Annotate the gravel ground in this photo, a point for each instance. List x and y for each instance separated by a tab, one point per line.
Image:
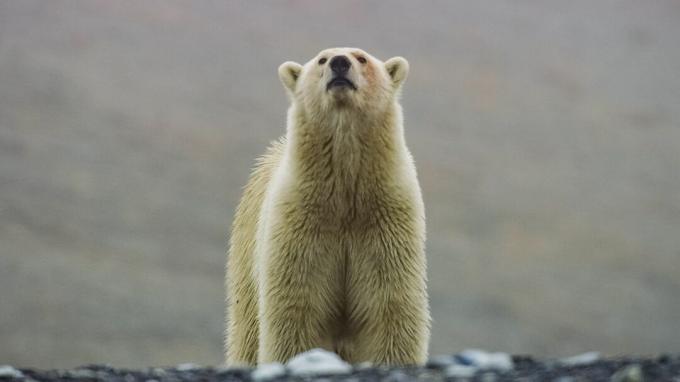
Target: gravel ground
525	368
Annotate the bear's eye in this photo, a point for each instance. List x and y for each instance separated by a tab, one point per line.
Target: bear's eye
361	59
322	60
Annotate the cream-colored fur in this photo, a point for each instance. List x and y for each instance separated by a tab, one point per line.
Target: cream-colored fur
327	245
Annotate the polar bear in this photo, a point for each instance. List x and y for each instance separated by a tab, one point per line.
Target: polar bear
327	244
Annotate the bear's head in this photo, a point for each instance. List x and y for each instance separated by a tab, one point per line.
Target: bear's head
344	78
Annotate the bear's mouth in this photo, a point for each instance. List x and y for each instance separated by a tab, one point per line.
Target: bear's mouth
340	82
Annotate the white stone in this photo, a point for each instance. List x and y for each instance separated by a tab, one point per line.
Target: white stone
581	359
268	371
485	360
7	371
462	371
187	367
630	373
318	362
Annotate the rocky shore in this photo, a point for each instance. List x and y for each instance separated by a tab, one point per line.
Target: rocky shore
317	365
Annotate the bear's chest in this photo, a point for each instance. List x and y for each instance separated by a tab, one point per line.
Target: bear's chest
343	206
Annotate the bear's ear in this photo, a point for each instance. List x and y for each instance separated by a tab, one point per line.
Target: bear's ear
397	68
289	72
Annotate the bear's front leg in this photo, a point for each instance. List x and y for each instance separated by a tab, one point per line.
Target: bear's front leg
389	309
300	282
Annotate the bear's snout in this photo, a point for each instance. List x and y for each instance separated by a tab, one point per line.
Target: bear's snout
340	65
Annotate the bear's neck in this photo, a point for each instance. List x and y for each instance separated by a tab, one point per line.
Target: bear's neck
344	154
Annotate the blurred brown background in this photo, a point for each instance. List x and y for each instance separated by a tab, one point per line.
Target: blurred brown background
546	134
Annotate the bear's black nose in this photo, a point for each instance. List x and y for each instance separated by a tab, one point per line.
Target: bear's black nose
340	64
